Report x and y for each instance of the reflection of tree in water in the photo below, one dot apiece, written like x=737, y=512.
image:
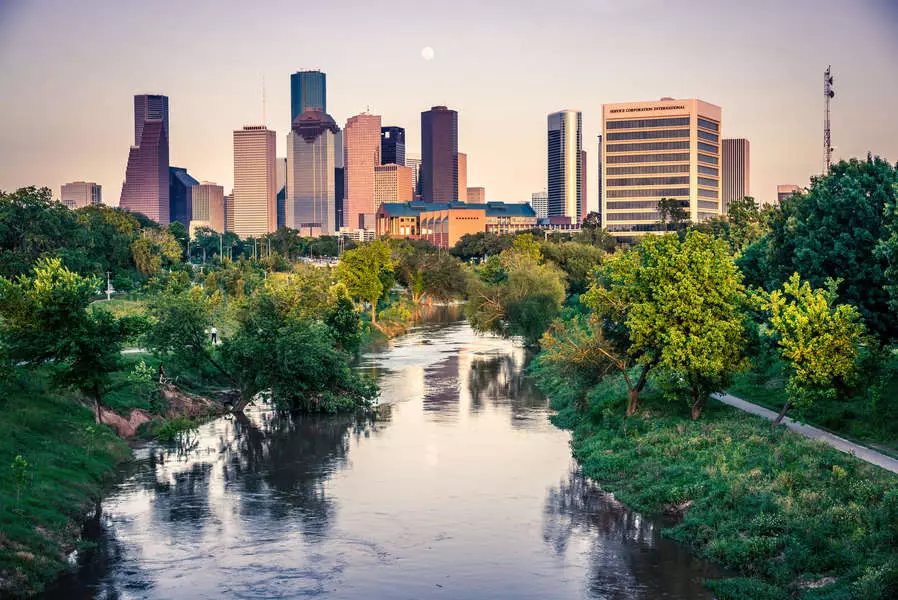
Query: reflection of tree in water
x=627, y=557
x=500, y=380
x=441, y=393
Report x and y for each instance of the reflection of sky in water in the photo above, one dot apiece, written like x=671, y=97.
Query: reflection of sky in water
x=461, y=489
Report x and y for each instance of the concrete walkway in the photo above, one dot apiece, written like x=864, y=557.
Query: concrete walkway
x=862, y=452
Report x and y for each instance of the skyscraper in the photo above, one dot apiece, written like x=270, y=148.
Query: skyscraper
x=565, y=164
x=229, y=211
x=653, y=150
x=79, y=194
x=208, y=208
x=361, y=153
x=339, y=181
x=540, y=203
x=311, y=195
x=392, y=146
x=308, y=89
x=413, y=161
x=149, y=107
x=581, y=205
x=392, y=183
x=281, y=187
x=476, y=195
x=735, y=172
x=599, y=173
x=255, y=175
x=439, y=155
x=180, y=188
x=145, y=189
x=462, y=193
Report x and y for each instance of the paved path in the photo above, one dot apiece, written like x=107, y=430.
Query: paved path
x=862, y=452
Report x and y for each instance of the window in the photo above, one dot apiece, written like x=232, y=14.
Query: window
x=647, y=146
x=707, y=148
x=638, y=227
x=711, y=137
x=634, y=216
x=642, y=123
x=648, y=193
x=707, y=193
x=707, y=182
x=707, y=170
x=647, y=181
x=707, y=205
x=712, y=160
x=644, y=158
x=646, y=170
x=655, y=134
x=632, y=204
x=708, y=124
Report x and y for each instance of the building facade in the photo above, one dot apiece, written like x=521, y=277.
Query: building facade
x=308, y=89
x=786, y=191
x=208, y=207
x=462, y=193
x=149, y=107
x=599, y=172
x=540, y=203
x=476, y=195
x=180, y=188
x=229, y=211
x=254, y=198
x=439, y=155
x=565, y=166
x=79, y=194
x=392, y=146
x=735, y=176
x=413, y=162
x=392, y=183
x=311, y=187
x=581, y=206
x=146, y=185
x=361, y=153
x=653, y=150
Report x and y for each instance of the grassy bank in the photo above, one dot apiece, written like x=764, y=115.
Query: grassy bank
x=68, y=461
x=793, y=517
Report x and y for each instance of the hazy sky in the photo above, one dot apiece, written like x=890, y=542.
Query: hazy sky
x=69, y=69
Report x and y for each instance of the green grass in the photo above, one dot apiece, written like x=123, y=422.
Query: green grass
x=69, y=460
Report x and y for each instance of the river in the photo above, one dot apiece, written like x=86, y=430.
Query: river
x=460, y=488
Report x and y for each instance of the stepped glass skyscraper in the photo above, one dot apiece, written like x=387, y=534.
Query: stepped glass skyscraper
x=308, y=89
x=565, y=158
x=439, y=155
x=311, y=149
x=146, y=186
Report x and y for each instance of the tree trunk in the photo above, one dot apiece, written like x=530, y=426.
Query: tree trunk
x=697, y=403
x=632, y=402
x=779, y=417
x=374, y=312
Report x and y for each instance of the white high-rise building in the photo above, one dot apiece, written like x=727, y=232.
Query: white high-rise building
x=254, y=198
x=78, y=194
x=540, y=203
x=310, y=205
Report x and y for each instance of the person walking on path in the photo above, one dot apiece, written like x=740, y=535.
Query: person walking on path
x=214, y=335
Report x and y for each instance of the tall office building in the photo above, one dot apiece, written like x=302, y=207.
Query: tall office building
x=392, y=146
x=786, y=191
x=653, y=150
x=145, y=189
x=565, y=164
x=599, y=172
x=392, y=183
x=311, y=193
x=79, y=194
x=308, y=89
x=540, y=203
x=361, y=153
x=476, y=195
x=149, y=107
x=339, y=181
x=281, y=187
x=413, y=161
x=254, y=198
x=180, y=188
x=462, y=193
x=581, y=206
x=208, y=207
x=229, y=211
x=735, y=178
x=439, y=155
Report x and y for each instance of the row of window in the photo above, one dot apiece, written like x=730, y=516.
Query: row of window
x=643, y=158
x=707, y=147
x=652, y=134
x=711, y=137
x=633, y=204
x=711, y=160
x=708, y=124
x=647, y=146
x=653, y=193
x=640, y=123
x=634, y=216
x=628, y=181
x=707, y=182
x=638, y=227
x=706, y=204
x=707, y=193
x=708, y=170
x=648, y=169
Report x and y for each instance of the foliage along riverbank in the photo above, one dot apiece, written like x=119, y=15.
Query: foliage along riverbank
x=795, y=518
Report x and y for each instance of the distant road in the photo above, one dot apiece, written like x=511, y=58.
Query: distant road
x=862, y=452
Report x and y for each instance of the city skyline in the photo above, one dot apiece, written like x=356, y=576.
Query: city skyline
x=766, y=78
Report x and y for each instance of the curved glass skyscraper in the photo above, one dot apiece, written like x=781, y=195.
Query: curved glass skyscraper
x=565, y=164
x=308, y=89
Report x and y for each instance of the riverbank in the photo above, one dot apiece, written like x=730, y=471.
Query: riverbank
x=794, y=518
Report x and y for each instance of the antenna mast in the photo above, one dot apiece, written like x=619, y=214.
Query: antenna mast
x=264, y=120
x=828, y=94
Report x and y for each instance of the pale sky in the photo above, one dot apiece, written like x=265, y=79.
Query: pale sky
x=69, y=70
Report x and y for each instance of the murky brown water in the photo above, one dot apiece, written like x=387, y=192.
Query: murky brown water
x=460, y=489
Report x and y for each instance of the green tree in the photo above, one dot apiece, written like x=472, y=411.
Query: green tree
x=746, y=221
x=365, y=270
x=180, y=235
x=153, y=249
x=818, y=339
x=578, y=261
x=673, y=212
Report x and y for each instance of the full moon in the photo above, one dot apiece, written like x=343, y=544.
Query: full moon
x=427, y=53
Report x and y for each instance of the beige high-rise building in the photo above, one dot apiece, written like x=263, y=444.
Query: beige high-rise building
x=413, y=162
x=208, y=207
x=476, y=195
x=361, y=153
x=653, y=150
x=392, y=183
x=735, y=176
x=255, y=181
x=79, y=194
x=462, y=194
x=229, y=211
